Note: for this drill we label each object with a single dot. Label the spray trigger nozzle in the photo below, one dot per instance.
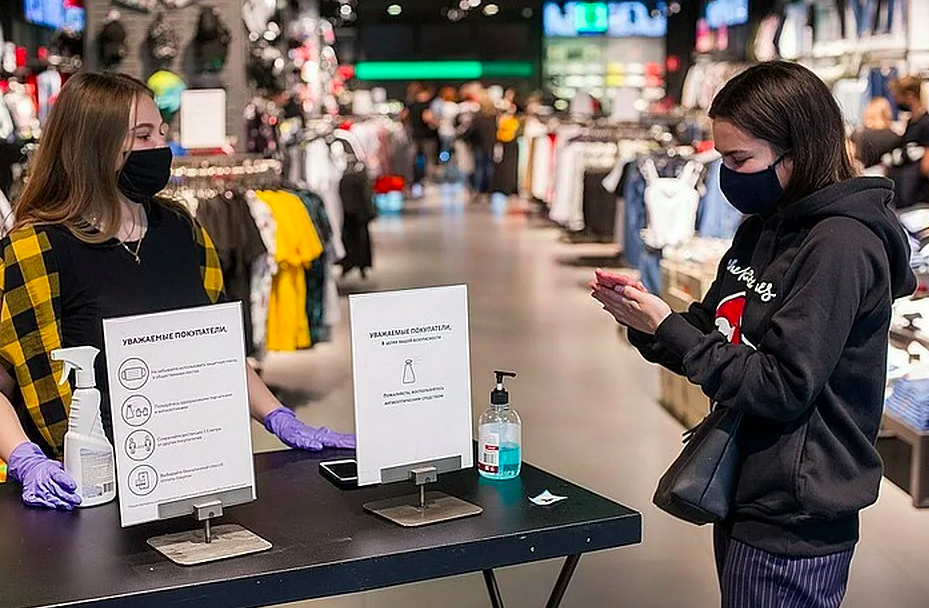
(79, 359)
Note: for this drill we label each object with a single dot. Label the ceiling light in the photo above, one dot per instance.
(454, 14)
(528, 13)
(491, 9)
(474, 3)
(394, 9)
(346, 10)
(464, 5)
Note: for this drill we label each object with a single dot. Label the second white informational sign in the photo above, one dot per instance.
(179, 402)
(412, 373)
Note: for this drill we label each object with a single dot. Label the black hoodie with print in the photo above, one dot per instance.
(802, 307)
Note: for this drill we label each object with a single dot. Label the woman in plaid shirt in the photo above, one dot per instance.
(92, 240)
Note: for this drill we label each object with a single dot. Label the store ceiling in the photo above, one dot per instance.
(365, 12)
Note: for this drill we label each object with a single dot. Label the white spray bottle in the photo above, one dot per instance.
(89, 456)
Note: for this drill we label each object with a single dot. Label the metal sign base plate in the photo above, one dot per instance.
(405, 511)
(190, 548)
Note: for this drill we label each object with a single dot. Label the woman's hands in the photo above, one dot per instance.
(629, 302)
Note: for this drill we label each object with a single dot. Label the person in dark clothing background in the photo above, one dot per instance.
(481, 134)
(911, 169)
(876, 138)
(422, 126)
(793, 333)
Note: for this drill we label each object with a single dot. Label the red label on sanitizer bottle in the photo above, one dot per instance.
(488, 459)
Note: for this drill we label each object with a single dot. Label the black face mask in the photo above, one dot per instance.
(904, 107)
(145, 174)
(752, 193)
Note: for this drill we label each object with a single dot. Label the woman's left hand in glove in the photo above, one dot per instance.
(285, 425)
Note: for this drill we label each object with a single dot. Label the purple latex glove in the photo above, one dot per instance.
(45, 482)
(285, 425)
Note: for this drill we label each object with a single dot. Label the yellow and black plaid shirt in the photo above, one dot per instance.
(36, 262)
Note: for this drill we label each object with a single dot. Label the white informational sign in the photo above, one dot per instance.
(179, 402)
(203, 118)
(411, 364)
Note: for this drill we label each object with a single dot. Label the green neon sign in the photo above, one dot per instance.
(591, 17)
(442, 70)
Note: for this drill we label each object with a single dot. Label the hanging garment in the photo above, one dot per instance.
(599, 205)
(7, 126)
(263, 270)
(163, 43)
(634, 216)
(211, 44)
(6, 215)
(23, 109)
(239, 244)
(316, 273)
(48, 86)
(298, 245)
(112, 43)
(359, 209)
(716, 218)
(322, 177)
(671, 204)
(506, 170)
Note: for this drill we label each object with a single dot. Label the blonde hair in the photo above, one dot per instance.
(73, 176)
(878, 114)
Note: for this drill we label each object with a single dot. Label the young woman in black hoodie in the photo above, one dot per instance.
(793, 332)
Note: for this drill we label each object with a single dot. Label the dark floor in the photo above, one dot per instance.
(590, 414)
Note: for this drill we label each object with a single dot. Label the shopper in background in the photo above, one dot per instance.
(422, 125)
(793, 333)
(911, 169)
(481, 134)
(876, 139)
(445, 110)
(92, 240)
(468, 107)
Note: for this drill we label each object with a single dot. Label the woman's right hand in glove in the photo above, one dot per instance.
(45, 482)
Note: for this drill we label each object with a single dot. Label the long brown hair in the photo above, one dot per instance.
(73, 176)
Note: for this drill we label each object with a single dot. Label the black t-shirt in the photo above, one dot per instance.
(872, 144)
(911, 187)
(74, 286)
(238, 243)
(418, 125)
(917, 131)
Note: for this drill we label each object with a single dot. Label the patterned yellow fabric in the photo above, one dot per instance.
(30, 330)
(210, 269)
(298, 245)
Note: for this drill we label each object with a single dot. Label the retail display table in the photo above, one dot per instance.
(324, 543)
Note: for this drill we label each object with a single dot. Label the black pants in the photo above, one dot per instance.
(752, 578)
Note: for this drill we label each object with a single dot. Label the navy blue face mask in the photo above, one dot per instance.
(752, 193)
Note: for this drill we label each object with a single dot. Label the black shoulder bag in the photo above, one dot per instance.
(699, 486)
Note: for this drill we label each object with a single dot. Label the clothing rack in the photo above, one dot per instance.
(275, 246)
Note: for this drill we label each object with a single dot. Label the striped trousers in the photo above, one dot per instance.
(752, 578)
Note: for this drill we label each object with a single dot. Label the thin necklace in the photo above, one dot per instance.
(134, 254)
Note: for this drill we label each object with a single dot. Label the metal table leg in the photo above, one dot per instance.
(493, 590)
(564, 579)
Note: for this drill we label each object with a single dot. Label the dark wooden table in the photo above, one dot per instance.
(324, 543)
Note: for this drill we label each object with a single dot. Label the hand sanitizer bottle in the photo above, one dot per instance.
(500, 435)
(89, 457)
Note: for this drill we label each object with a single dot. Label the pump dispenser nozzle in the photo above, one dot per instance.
(80, 359)
(500, 396)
